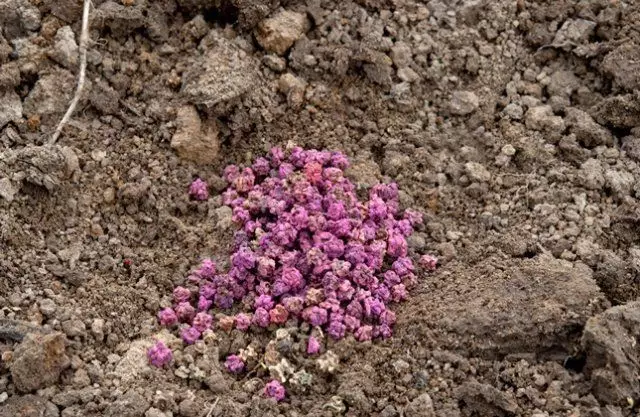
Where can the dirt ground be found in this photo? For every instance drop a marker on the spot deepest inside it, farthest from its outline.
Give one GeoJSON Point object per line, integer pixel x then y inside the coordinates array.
{"type": "Point", "coordinates": [514, 126]}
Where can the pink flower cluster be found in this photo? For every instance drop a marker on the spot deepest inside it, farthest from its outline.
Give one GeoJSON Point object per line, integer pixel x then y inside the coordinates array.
{"type": "Point", "coordinates": [199, 189]}
{"type": "Point", "coordinates": [306, 248]}
{"type": "Point", "coordinates": [159, 354]}
{"type": "Point", "coordinates": [275, 390]}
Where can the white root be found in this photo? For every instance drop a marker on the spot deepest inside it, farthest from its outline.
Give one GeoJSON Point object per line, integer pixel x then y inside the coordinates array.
{"type": "Point", "coordinates": [84, 40]}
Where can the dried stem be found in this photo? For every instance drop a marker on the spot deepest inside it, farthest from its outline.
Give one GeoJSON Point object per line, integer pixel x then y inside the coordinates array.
{"type": "Point", "coordinates": [84, 40]}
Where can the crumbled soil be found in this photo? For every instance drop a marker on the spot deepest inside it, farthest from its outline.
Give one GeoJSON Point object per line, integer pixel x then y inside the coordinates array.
{"type": "Point", "coordinates": [514, 126]}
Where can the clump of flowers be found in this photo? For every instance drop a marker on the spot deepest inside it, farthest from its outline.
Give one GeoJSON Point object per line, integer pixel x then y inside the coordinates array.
{"type": "Point", "coordinates": [159, 354]}
{"type": "Point", "coordinates": [307, 249]}
{"type": "Point", "coordinates": [234, 364]}
{"type": "Point", "coordinates": [198, 190]}
{"type": "Point", "coordinates": [275, 390]}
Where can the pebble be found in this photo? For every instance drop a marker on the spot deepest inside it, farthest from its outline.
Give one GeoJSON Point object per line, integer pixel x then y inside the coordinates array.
{"type": "Point", "coordinates": [47, 307]}
{"type": "Point", "coordinates": [278, 33]}
{"type": "Point", "coordinates": [38, 361]}
{"type": "Point", "coordinates": [463, 103]}
{"type": "Point", "coordinates": [421, 406]}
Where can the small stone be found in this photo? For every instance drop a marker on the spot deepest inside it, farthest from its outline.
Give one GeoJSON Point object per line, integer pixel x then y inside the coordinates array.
{"type": "Point", "coordinates": [508, 150]}
{"type": "Point", "coordinates": [73, 328]}
{"type": "Point", "coordinates": [574, 31]}
{"type": "Point", "coordinates": [154, 412]}
{"type": "Point", "coordinates": [97, 329]}
{"type": "Point", "coordinates": [620, 182]}
{"type": "Point", "coordinates": [623, 64]}
{"type": "Point", "coordinates": [278, 33]}
{"type": "Point", "coordinates": [275, 62]}
{"type": "Point", "coordinates": [47, 307]}
{"type": "Point", "coordinates": [81, 378]}
{"type": "Point", "coordinates": [408, 75]}
{"type": "Point", "coordinates": [401, 54]}
{"type": "Point", "coordinates": [193, 141]}
{"type": "Point", "coordinates": [222, 74]}
{"type": "Point", "coordinates": [421, 406]}
{"type": "Point", "coordinates": [38, 361]}
{"type": "Point", "coordinates": [542, 118]}
{"type": "Point", "coordinates": [477, 172]}
{"type": "Point", "coordinates": [7, 190]}
{"type": "Point", "coordinates": [513, 111]}
{"type": "Point", "coordinates": [65, 49]}
{"type": "Point", "coordinates": [591, 174]}
{"type": "Point", "coordinates": [51, 94]}
{"type": "Point", "coordinates": [587, 131]}
{"type": "Point", "coordinates": [109, 195]}
{"type": "Point", "coordinates": [25, 406]}
{"type": "Point", "coordinates": [10, 107]}
{"type": "Point", "coordinates": [401, 366]}
{"type": "Point", "coordinates": [293, 87]}
{"type": "Point", "coordinates": [563, 83]}
{"type": "Point", "coordinates": [131, 404]}
{"type": "Point", "coordinates": [463, 103]}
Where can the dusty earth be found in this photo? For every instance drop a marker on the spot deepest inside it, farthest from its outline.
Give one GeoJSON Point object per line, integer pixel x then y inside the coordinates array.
{"type": "Point", "coordinates": [513, 125]}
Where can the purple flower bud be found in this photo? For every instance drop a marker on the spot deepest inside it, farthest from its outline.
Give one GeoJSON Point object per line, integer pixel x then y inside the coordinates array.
{"type": "Point", "coordinates": [190, 335]}
{"type": "Point", "coordinates": [261, 167]}
{"type": "Point", "coordinates": [159, 354]}
{"type": "Point", "coordinates": [397, 245]}
{"type": "Point", "coordinates": [299, 217]}
{"type": "Point", "coordinates": [243, 321]}
{"type": "Point", "coordinates": [244, 182]}
{"type": "Point", "coordinates": [231, 172]}
{"type": "Point", "coordinates": [207, 269]}
{"type": "Point", "coordinates": [345, 291]}
{"type": "Point", "coordinates": [404, 227]}
{"type": "Point", "coordinates": [388, 317]}
{"type": "Point", "coordinates": [297, 157]}
{"type": "Point", "coordinates": [261, 317]}
{"type": "Point", "coordinates": [244, 258]}
{"type": "Point", "coordinates": [276, 155]}
{"type": "Point", "coordinates": [285, 170]}
{"type": "Point", "coordinates": [240, 215]}
{"type": "Point", "coordinates": [428, 262]}
{"type": "Point", "coordinates": [377, 209]}
{"type": "Point", "coordinates": [185, 312]}
{"type": "Point", "coordinates": [383, 331]}
{"type": "Point", "coordinates": [332, 174]}
{"type": "Point", "coordinates": [275, 390]}
{"type": "Point", "coordinates": [354, 309]}
{"type": "Point", "coordinates": [294, 305]}
{"type": "Point", "coordinates": [234, 364]}
{"type": "Point", "coordinates": [181, 295]}
{"type": "Point", "coordinates": [278, 314]}
{"type": "Point", "coordinates": [284, 234]}
{"type": "Point", "coordinates": [398, 293]}
{"type": "Point", "coordinates": [167, 317]}
{"type": "Point", "coordinates": [315, 315]}
{"type": "Point", "coordinates": [313, 172]}
{"type": "Point", "coordinates": [336, 211]}
{"type": "Point", "coordinates": [198, 190]}
{"type": "Point", "coordinates": [338, 160]}
{"type": "Point", "coordinates": [313, 346]}
{"type": "Point", "coordinates": [204, 304]}
{"type": "Point", "coordinates": [292, 277]}
{"type": "Point", "coordinates": [403, 266]}
{"type": "Point", "coordinates": [264, 301]}
{"type": "Point", "coordinates": [364, 333]}
{"type": "Point", "coordinates": [266, 266]}
{"type": "Point", "coordinates": [202, 321]}
{"type": "Point", "coordinates": [351, 323]}
{"type": "Point", "coordinates": [382, 292]}
{"type": "Point", "coordinates": [336, 329]}
{"type": "Point", "coordinates": [414, 217]}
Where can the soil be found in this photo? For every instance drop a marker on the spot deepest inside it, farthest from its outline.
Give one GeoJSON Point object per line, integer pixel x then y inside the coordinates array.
{"type": "Point", "coordinates": [514, 126]}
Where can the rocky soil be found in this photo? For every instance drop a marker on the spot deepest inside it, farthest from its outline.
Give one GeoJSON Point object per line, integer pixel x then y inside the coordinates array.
{"type": "Point", "coordinates": [514, 126]}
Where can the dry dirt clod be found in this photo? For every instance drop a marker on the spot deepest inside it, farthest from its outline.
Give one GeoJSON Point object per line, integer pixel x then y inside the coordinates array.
{"type": "Point", "coordinates": [38, 361]}
{"type": "Point", "coordinates": [278, 33]}
{"type": "Point", "coordinates": [192, 140]}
